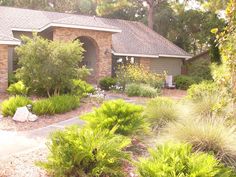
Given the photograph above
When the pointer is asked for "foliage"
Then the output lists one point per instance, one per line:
(8, 107)
(199, 91)
(106, 83)
(178, 160)
(56, 105)
(161, 110)
(126, 118)
(18, 88)
(207, 134)
(48, 66)
(183, 82)
(133, 73)
(86, 152)
(142, 90)
(200, 70)
(81, 88)
(12, 78)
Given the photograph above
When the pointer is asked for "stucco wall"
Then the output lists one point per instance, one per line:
(103, 41)
(3, 67)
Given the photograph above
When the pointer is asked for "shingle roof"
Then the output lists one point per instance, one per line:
(134, 37)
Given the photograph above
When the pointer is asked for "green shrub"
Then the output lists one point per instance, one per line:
(48, 66)
(106, 83)
(81, 88)
(126, 118)
(86, 152)
(199, 91)
(142, 90)
(18, 88)
(56, 105)
(183, 82)
(160, 111)
(8, 107)
(178, 160)
(12, 78)
(208, 135)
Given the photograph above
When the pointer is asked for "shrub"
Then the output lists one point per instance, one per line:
(48, 66)
(106, 83)
(160, 111)
(178, 160)
(12, 78)
(86, 152)
(208, 135)
(134, 73)
(199, 91)
(126, 118)
(81, 88)
(200, 70)
(18, 88)
(56, 105)
(9, 106)
(183, 82)
(141, 90)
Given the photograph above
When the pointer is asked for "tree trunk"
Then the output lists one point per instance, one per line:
(150, 13)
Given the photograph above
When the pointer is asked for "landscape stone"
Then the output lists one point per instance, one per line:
(21, 114)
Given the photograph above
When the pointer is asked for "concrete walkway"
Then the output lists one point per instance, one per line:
(18, 142)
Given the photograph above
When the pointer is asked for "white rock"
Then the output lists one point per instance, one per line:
(21, 114)
(32, 117)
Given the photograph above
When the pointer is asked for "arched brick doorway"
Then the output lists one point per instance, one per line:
(90, 59)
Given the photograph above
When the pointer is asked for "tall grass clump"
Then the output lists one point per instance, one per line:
(161, 110)
(142, 90)
(210, 135)
(125, 117)
(56, 105)
(8, 107)
(179, 160)
(86, 152)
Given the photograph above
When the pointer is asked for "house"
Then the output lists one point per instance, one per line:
(105, 40)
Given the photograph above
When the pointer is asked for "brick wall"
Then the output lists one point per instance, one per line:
(103, 41)
(3, 68)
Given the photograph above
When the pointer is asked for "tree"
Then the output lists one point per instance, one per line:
(48, 66)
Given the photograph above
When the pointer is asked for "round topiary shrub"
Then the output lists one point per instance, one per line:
(106, 83)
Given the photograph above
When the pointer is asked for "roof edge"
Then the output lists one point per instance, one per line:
(67, 26)
(151, 56)
(9, 42)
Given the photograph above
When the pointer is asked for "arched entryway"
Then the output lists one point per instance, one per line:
(90, 56)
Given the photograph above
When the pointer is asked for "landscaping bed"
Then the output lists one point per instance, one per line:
(7, 123)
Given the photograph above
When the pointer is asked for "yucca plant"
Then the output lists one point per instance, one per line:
(8, 107)
(86, 152)
(178, 160)
(208, 135)
(126, 117)
(161, 110)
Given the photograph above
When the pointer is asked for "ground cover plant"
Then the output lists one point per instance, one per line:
(142, 90)
(160, 110)
(179, 160)
(207, 134)
(18, 88)
(86, 152)
(126, 118)
(56, 105)
(8, 107)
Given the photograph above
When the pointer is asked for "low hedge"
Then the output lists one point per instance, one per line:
(183, 82)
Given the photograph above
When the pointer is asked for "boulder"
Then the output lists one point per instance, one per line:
(22, 114)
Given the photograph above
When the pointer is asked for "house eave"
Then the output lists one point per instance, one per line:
(67, 26)
(8, 42)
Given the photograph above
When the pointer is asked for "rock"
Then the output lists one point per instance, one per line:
(1, 116)
(32, 117)
(21, 114)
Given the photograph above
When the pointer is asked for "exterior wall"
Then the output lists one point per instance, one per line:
(158, 65)
(3, 68)
(103, 41)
